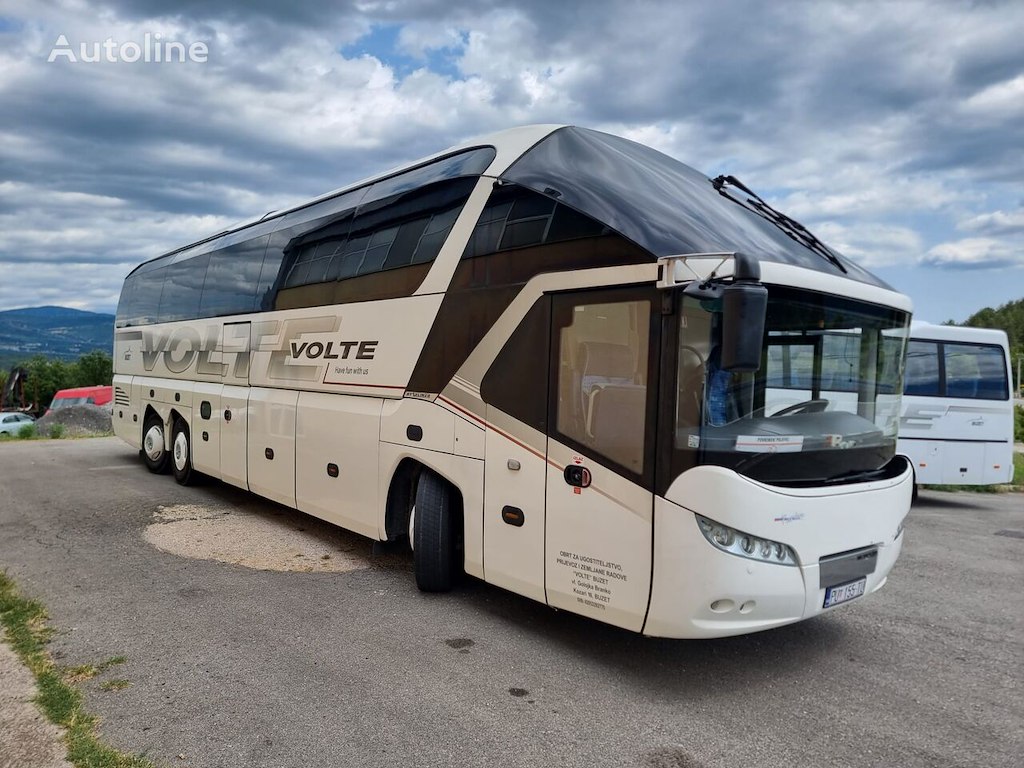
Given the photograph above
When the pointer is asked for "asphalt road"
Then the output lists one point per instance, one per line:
(231, 666)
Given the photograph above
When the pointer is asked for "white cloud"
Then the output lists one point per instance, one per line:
(1000, 100)
(996, 223)
(873, 245)
(974, 253)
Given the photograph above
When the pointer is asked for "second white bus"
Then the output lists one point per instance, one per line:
(956, 425)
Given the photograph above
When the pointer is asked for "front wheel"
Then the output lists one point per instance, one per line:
(154, 452)
(433, 535)
(181, 454)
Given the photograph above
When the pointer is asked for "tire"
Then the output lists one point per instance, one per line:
(154, 452)
(181, 454)
(435, 547)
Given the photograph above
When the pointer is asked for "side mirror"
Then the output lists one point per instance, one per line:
(744, 307)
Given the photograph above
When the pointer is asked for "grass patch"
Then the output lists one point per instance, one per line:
(89, 671)
(114, 685)
(53, 432)
(28, 634)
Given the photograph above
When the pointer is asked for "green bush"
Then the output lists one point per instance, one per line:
(56, 431)
(27, 432)
(1018, 424)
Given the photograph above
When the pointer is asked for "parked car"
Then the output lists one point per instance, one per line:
(11, 423)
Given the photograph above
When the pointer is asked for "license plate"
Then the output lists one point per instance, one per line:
(844, 592)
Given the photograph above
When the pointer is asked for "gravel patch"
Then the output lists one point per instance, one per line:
(26, 737)
(77, 420)
(262, 540)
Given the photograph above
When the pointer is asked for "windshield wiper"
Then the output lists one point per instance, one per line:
(790, 226)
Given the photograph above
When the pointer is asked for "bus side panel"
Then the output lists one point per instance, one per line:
(926, 458)
(336, 451)
(206, 428)
(514, 481)
(963, 462)
(125, 414)
(234, 433)
(998, 463)
(271, 449)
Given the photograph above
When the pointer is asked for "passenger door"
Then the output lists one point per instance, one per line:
(600, 455)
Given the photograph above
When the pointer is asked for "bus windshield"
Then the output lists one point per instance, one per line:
(823, 407)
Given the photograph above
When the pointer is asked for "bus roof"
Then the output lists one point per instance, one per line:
(657, 202)
(923, 330)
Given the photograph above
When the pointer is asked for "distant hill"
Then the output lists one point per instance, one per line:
(56, 332)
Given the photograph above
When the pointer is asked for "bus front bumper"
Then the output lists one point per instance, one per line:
(699, 591)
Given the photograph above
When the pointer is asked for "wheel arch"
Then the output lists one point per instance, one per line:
(402, 495)
(151, 411)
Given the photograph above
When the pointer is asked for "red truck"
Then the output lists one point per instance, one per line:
(81, 396)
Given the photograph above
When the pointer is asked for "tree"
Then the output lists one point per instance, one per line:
(45, 378)
(1008, 317)
(93, 369)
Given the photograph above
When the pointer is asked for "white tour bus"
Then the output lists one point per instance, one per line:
(553, 359)
(957, 420)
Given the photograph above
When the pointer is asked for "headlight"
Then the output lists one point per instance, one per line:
(744, 544)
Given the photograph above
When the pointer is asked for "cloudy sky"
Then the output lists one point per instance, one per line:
(895, 130)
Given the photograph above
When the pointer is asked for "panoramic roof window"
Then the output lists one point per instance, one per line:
(515, 217)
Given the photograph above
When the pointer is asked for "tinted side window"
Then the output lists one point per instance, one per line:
(232, 278)
(922, 372)
(516, 217)
(975, 371)
(183, 289)
(143, 300)
(399, 231)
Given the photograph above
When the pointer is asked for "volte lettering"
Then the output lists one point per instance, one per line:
(315, 350)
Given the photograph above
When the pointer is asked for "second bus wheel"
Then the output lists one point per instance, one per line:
(434, 535)
(154, 452)
(181, 454)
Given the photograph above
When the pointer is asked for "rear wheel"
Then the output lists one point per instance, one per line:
(181, 454)
(154, 452)
(433, 535)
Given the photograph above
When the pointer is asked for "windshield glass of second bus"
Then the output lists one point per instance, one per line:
(824, 404)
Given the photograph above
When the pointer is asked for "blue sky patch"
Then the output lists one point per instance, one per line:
(8, 24)
(382, 43)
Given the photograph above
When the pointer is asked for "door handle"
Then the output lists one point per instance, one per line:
(576, 476)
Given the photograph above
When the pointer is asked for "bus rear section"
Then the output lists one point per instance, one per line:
(956, 424)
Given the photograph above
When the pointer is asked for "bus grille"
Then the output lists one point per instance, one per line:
(121, 397)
